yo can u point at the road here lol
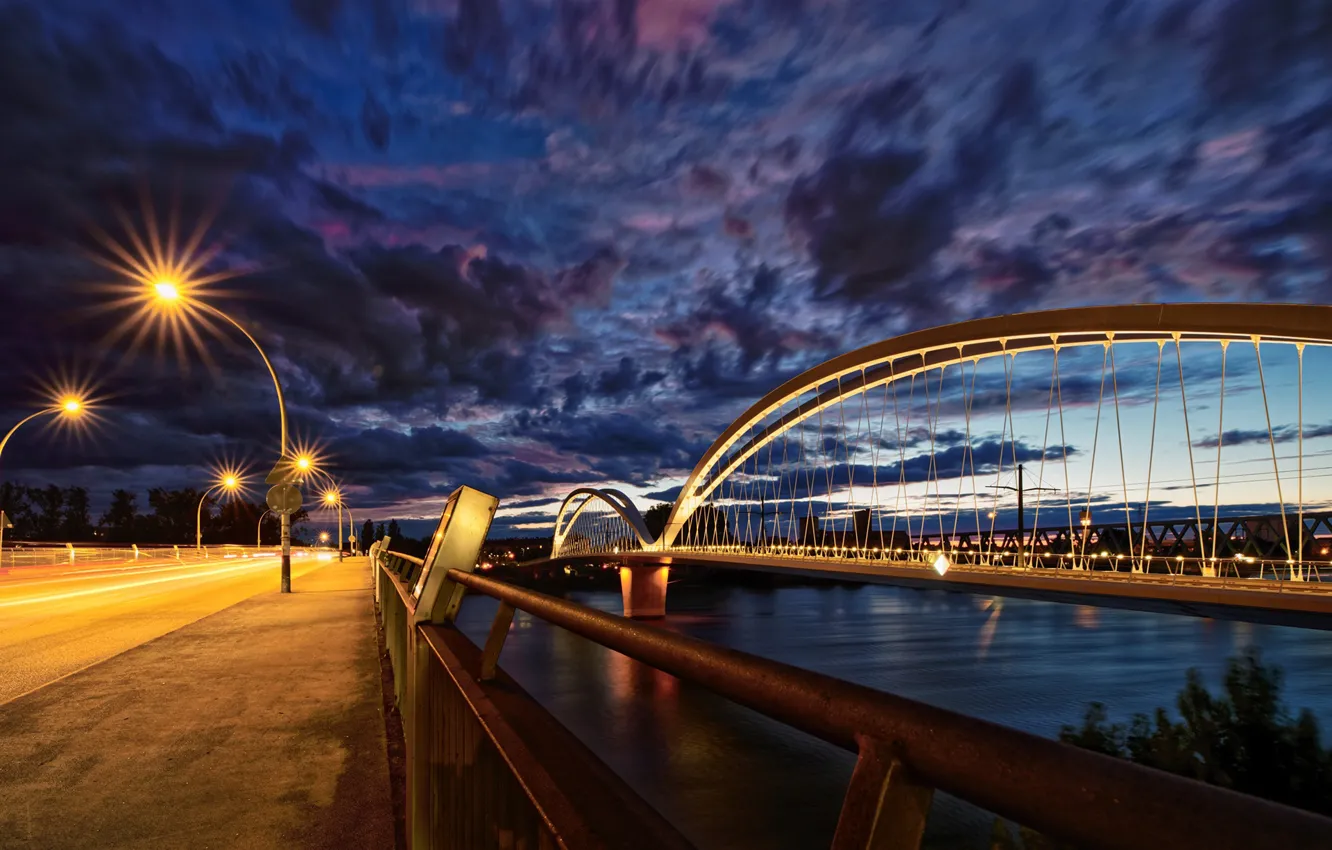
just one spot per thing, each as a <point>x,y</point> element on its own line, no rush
<point>57,620</point>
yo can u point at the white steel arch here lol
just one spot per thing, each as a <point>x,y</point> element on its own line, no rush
<point>911,354</point>
<point>576,502</point>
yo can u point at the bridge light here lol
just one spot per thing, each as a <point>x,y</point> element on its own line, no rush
<point>941,564</point>
<point>1104,554</point>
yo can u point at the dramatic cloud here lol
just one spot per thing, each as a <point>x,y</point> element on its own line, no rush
<point>527,246</point>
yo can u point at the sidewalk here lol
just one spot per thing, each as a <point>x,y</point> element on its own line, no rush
<point>260,726</point>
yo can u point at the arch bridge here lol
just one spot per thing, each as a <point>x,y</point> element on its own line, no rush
<point>1168,454</point>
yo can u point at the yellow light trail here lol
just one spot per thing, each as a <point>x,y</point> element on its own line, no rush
<point>75,594</point>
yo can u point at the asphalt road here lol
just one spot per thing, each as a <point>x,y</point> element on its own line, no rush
<point>57,620</point>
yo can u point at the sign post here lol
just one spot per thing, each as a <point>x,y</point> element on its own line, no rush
<point>284,499</point>
<point>4,523</point>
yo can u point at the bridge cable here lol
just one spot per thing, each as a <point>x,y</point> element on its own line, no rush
<point>901,464</point>
<point>932,424</point>
<point>962,471</point>
<point>1010,364</point>
<point>1299,350</point>
<point>1119,435</point>
<point>1188,441</point>
<point>1151,458</point>
<point>876,456</point>
<point>865,414</point>
<point>1271,439</point>
<point>1220,439</point>
<point>1045,447</point>
<point>1096,437</point>
<point>1063,444</point>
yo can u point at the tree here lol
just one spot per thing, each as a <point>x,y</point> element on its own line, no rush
<point>172,520</point>
<point>1243,739</point>
<point>48,518</point>
<point>122,517</point>
<point>75,522</point>
<point>367,535</point>
<point>379,532</point>
<point>655,519</point>
<point>393,530</point>
<point>14,502</point>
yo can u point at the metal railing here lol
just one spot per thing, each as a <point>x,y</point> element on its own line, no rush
<point>55,554</point>
<point>487,766</point>
<point>906,749</point>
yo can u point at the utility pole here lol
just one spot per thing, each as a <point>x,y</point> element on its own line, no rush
<point>1021,515</point>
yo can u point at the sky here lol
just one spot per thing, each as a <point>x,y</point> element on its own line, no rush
<point>528,246</point>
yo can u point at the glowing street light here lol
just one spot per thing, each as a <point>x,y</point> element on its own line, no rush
<point>333,498</point>
<point>66,405</point>
<point>164,283</point>
<point>228,480</point>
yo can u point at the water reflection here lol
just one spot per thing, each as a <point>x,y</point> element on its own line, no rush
<point>733,779</point>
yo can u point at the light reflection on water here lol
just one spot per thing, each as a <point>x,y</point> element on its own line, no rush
<point>730,778</point>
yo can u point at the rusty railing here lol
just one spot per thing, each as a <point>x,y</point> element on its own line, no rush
<point>905,749</point>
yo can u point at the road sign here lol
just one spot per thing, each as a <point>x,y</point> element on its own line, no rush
<point>284,499</point>
<point>283,473</point>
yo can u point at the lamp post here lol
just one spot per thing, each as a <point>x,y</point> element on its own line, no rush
<point>332,498</point>
<point>169,294</point>
<point>229,482</point>
<point>259,532</point>
<point>68,406</point>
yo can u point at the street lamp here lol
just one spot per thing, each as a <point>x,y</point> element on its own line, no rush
<point>66,405</point>
<point>334,498</point>
<point>168,297</point>
<point>259,533</point>
<point>228,480</point>
<point>69,406</point>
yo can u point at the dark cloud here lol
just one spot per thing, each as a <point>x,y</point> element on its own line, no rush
<point>319,15</point>
<point>375,122</point>
<point>1278,434</point>
<point>528,251</point>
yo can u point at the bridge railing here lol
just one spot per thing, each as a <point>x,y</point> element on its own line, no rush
<point>21,555</point>
<point>487,765</point>
<point>905,749</point>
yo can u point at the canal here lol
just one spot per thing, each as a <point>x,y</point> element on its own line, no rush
<point>730,778</point>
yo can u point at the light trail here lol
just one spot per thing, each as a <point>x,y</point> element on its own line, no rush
<point>74,594</point>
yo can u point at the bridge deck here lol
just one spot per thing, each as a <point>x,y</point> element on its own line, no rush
<point>1307,604</point>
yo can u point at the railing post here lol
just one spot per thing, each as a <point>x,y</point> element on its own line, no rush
<point>418,743</point>
<point>884,809</point>
<point>499,630</point>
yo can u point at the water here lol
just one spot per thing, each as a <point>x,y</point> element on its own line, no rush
<point>730,778</point>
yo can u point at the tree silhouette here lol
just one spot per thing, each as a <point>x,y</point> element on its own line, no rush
<point>367,536</point>
<point>75,522</point>
<point>655,519</point>
<point>1243,739</point>
<point>121,518</point>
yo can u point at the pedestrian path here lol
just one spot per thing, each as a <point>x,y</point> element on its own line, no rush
<point>258,726</point>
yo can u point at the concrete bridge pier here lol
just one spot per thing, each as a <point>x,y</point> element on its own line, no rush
<point>643,589</point>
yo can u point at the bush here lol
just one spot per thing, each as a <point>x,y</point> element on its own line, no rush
<point>1243,739</point>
